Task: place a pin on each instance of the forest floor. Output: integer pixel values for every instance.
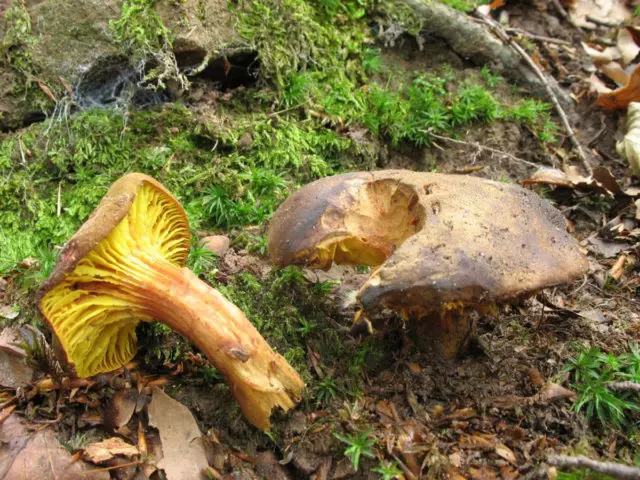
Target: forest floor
(497, 412)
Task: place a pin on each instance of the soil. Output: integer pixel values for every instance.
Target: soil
(439, 409)
(475, 416)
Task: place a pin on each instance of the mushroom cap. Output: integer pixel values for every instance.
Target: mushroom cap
(435, 238)
(90, 301)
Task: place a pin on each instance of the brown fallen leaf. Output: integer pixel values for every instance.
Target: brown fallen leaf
(183, 452)
(506, 453)
(47, 91)
(120, 409)
(622, 97)
(108, 449)
(38, 455)
(601, 180)
(14, 371)
(617, 269)
(627, 46)
(476, 442)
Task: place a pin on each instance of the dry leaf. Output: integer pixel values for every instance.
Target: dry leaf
(47, 91)
(37, 454)
(600, 57)
(601, 180)
(627, 46)
(506, 453)
(14, 371)
(183, 453)
(617, 269)
(120, 409)
(610, 10)
(629, 147)
(615, 72)
(622, 97)
(108, 449)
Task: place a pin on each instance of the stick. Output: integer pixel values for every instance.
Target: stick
(497, 28)
(59, 205)
(484, 147)
(22, 160)
(477, 44)
(624, 386)
(563, 13)
(616, 470)
(540, 38)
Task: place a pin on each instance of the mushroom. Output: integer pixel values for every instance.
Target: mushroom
(442, 245)
(126, 265)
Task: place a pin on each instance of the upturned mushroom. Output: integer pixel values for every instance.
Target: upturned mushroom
(126, 265)
(442, 245)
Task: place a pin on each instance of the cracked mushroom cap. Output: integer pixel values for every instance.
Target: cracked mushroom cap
(436, 239)
(90, 300)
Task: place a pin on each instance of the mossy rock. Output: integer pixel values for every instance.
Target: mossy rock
(70, 40)
(202, 28)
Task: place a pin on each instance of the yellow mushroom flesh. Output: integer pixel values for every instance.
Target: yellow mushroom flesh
(135, 274)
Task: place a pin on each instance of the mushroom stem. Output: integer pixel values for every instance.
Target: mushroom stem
(446, 333)
(259, 378)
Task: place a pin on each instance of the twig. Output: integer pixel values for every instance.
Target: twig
(484, 147)
(624, 386)
(563, 13)
(616, 470)
(497, 28)
(540, 38)
(602, 21)
(273, 114)
(22, 159)
(59, 203)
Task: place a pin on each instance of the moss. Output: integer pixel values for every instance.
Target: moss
(145, 39)
(16, 53)
(81, 158)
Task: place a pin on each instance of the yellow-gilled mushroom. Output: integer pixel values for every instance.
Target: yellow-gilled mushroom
(126, 265)
(442, 245)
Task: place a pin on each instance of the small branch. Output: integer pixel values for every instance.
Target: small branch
(563, 13)
(616, 470)
(279, 112)
(602, 21)
(485, 148)
(624, 386)
(59, 203)
(540, 38)
(497, 28)
(22, 159)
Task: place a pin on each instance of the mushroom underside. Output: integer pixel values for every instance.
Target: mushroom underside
(95, 309)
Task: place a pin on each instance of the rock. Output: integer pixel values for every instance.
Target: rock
(71, 46)
(202, 28)
(218, 244)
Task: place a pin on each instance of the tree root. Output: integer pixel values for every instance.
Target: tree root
(475, 43)
(616, 470)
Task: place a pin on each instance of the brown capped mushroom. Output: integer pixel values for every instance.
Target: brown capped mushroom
(442, 245)
(126, 265)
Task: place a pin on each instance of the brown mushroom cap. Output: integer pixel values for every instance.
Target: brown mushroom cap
(96, 329)
(437, 238)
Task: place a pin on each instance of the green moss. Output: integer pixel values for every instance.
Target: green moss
(16, 51)
(144, 37)
(465, 5)
(230, 187)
